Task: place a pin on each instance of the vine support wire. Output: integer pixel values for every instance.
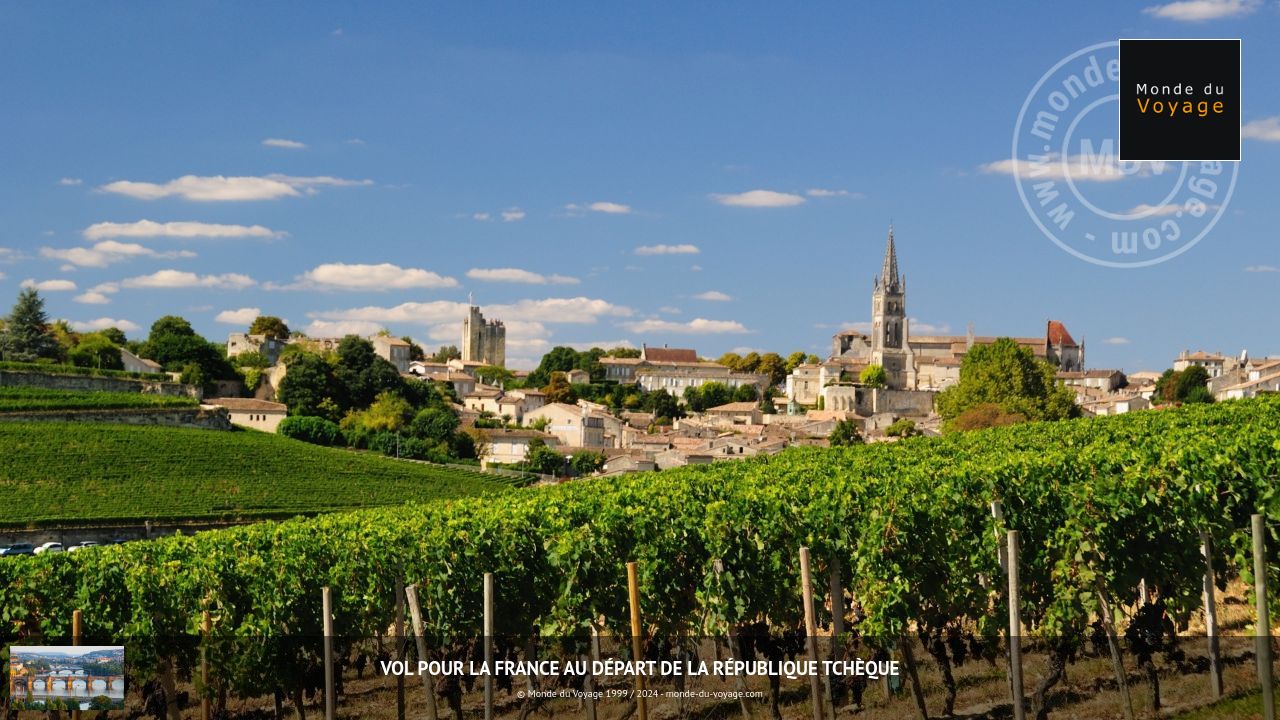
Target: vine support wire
(811, 633)
(1263, 630)
(428, 679)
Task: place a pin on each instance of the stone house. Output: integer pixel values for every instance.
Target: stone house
(510, 447)
(257, 414)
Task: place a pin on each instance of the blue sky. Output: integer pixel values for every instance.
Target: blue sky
(584, 171)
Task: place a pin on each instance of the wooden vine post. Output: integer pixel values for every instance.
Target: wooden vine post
(1015, 628)
(77, 636)
(637, 641)
(206, 629)
(488, 646)
(1211, 616)
(428, 679)
(1263, 630)
(1104, 614)
(811, 632)
(401, 653)
(330, 699)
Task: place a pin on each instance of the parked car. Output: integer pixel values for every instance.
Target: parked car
(18, 549)
(49, 547)
(82, 545)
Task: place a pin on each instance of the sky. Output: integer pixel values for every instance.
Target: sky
(711, 175)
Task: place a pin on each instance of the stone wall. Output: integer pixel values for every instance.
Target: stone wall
(204, 417)
(105, 532)
(902, 402)
(89, 383)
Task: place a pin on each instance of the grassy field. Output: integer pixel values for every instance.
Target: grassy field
(71, 473)
(24, 399)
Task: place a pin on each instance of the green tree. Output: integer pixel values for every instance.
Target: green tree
(774, 366)
(95, 350)
(709, 395)
(269, 325)
(745, 393)
(175, 345)
(434, 423)
(902, 427)
(445, 354)
(845, 433)
(1192, 386)
(493, 375)
(586, 462)
(542, 459)
(558, 359)
(663, 405)
(1010, 377)
(873, 376)
(311, 388)
(27, 335)
(364, 374)
(115, 335)
(795, 360)
(558, 390)
(416, 353)
(388, 413)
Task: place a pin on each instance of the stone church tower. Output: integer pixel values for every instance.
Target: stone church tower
(889, 347)
(483, 340)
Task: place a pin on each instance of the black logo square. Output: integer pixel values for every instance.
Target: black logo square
(1179, 100)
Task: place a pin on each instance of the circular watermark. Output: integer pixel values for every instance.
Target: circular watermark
(1067, 168)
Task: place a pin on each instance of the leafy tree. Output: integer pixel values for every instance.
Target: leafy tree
(1009, 376)
(745, 393)
(664, 405)
(1192, 385)
(812, 360)
(434, 423)
(709, 395)
(586, 462)
(986, 415)
(310, 387)
(445, 354)
(873, 376)
(774, 366)
(559, 359)
(96, 351)
(493, 375)
(795, 360)
(902, 427)
(766, 402)
(269, 325)
(115, 335)
(251, 359)
(542, 459)
(730, 360)
(558, 390)
(27, 335)
(66, 336)
(315, 430)
(623, 352)
(363, 373)
(845, 433)
(175, 345)
(415, 350)
(388, 413)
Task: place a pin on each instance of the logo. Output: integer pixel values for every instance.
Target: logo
(1067, 168)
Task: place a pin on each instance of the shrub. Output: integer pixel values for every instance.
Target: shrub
(902, 428)
(315, 430)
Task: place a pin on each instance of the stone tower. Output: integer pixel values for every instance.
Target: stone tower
(483, 340)
(889, 347)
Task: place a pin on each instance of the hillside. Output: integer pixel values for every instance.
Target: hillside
(58, 473)
(26, 399)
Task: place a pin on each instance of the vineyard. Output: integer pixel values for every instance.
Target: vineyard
(68, 474)
(26, 399)
(1102, 506)
(76, 370)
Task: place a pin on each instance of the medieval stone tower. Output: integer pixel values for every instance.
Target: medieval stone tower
(889, 347)
(483, 340)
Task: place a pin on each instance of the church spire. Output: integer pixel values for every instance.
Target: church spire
(889, 278)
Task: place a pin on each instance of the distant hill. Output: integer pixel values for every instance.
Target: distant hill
(72, 473)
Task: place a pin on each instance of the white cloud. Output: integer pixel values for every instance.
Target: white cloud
(92, 297)
(915, 326)
(512, 214)
(1162, 210)
(602, 344)
(150, 228)
(481, 216)
(341, 328)
(670, 310)
(2, 276)
(667, 250)
(1267, 129)
(1262, 269)
(180, 279)
(758, 199)
(9, 255)
(713, 296)
(825, 193)
(107, 252)
(219, 188)
(575, 310)
(516, 275)
(697, 326)
(610, 207)
(384, 276)
(1080, 168)
(354, 141)
(103, 323)
(1116, 341)
(1197, 10)
(243, 316)
(283, 143)
(70, 181)
(49, 285)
